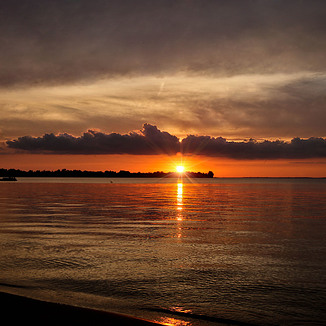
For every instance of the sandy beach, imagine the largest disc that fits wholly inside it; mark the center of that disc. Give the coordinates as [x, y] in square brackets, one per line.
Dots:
[17, 310]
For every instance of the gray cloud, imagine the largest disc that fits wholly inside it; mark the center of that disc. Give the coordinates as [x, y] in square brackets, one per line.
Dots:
[220, 147]
[62, 41]
[152, 141]
[149, 141]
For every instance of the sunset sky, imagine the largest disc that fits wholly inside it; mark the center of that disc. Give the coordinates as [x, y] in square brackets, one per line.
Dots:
[233, 86]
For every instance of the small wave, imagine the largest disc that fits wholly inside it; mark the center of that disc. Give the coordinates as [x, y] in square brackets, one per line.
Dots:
[201, 317]
[65, 263]
[14, 286]
[41, 263]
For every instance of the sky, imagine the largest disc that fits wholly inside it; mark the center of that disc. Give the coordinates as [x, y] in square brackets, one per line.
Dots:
[232, 86]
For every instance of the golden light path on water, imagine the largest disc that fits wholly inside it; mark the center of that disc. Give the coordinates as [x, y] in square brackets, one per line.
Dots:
[179, 207]
[170, 321]
[174, 322]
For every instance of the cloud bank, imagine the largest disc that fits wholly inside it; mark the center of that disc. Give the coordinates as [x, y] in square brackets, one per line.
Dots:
[152, 141]
[149, 141]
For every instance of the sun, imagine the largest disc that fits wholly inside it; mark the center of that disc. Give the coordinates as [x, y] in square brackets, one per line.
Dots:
[180, 168]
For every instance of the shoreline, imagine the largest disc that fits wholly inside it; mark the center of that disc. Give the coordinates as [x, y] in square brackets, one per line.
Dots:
[20, 310]
[160, 178]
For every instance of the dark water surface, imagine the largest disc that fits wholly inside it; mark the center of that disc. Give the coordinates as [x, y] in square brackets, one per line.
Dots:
[239, 250]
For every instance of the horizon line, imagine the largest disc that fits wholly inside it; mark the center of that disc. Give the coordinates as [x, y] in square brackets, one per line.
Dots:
[101, 173]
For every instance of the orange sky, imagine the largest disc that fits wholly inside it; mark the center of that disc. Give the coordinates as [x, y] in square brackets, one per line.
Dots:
[150, 163]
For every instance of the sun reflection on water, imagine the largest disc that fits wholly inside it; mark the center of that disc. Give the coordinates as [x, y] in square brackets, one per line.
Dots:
[180, 196]
[174, 322]
[179, 208]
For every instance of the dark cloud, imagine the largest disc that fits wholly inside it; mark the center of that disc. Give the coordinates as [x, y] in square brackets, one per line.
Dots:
[251, 149]
[149, 141]
[152, 141]
[65, 41]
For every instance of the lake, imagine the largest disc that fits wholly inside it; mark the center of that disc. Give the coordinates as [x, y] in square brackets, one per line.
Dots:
[190, 252]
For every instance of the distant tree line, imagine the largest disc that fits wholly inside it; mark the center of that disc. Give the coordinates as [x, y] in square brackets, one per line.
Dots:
[99, 174]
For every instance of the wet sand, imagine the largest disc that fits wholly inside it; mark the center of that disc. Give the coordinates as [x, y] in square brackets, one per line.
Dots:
[17, 310]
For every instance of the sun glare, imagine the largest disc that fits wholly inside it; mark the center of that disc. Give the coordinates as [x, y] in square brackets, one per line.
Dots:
[180, 168]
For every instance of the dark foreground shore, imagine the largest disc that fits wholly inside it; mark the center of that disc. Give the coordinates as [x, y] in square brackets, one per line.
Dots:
[17, 310]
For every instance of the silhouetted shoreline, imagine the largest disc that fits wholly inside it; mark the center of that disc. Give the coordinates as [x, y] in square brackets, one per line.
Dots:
[99, 174]
[19, 310]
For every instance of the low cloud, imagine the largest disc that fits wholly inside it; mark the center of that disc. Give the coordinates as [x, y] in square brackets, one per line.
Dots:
[251, 149]
[152, 141]
[149, 141]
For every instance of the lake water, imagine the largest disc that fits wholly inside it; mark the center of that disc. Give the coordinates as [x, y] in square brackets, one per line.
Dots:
[193, 253]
